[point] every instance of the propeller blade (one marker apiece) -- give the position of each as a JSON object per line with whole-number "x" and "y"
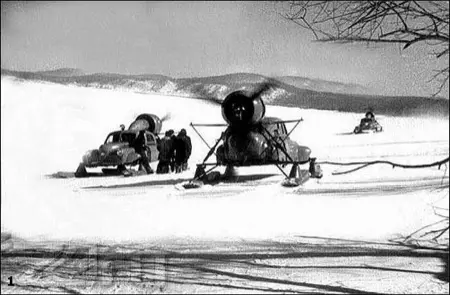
{"x": 215, "y": 100}
{"x": 264, "y": 87}
{"x": 166, "y": 117}
{"x": 259, "y": 89}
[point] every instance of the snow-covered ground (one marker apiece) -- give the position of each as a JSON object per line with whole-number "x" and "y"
{"x": 46, "y": 128}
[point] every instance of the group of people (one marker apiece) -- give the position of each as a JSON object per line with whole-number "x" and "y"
{"x": 174, "y": 152}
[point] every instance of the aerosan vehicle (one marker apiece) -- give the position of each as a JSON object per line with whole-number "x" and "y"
{"x": 117, "y": 150}
{"x": 251, "y": 139}
{"x": 368, "y": 125}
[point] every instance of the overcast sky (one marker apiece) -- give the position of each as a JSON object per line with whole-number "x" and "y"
{"x": 185, "y": 39}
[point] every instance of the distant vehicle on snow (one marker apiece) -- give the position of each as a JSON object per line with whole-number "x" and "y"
{"x": 368, "y": 125}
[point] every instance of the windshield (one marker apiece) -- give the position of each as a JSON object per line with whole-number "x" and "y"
{"x": 128, "y": 137}
{"x": 113, "y": 137}
{"x": 120, "y": 137}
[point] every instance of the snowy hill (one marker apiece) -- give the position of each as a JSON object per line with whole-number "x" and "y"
{"x": 290, "y": 91}
{"x": 56, "y": 124}
{"x": 325, "y": 86}
{"x": 62, "y": 122}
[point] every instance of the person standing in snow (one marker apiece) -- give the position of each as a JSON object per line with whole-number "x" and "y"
{"x": 183, "y": 149}
{"x": 172, "y": 159}
{"x": 140, "y": 147}
{"x": 166, "y": 150}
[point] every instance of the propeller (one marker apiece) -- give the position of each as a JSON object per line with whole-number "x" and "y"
{"x": 166, "y": 117}
{"x": 264, "y": 87}
{"x": 243, "y": 107}
{"x": 258, "y": 90}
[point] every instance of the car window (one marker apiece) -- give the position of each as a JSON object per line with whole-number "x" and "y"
{"x": 128, "y": 137}
{"x": 281, "y": 129}
{"x": 109, "y": 139}
{"x": 270, "y": 127}
{"x": 113, "y": 137}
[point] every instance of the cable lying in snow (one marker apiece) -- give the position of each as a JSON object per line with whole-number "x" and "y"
{"x": 366, "y": 164}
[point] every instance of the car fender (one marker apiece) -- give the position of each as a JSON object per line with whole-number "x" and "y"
{"x": 91, "y": 157}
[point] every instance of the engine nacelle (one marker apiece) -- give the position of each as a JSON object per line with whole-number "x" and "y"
{"x": 148, "y": 122}
{"x": 240, "y": 108}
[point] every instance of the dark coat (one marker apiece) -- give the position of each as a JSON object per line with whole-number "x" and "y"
{"x": 183, "y": 148}
{"x": 139, "y": 143}
{"x": 173, "y": 139}
{"x": 166, "y": 149}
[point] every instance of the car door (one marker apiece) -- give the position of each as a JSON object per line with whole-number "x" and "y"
{"x": 152, "y": 145}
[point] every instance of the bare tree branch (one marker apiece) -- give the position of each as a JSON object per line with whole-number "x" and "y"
{"x": 402, "y": 22}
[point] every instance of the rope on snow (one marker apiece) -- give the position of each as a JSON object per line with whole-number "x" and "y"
{"x": 366, "y": 164}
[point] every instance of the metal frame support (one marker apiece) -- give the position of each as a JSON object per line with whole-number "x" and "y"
{"x": 201, "y": 137}
{"x": 294, "y": 171}
{"x": 293, "y": 128}
{"x": 282, "y": 171}
{"x": 213, "y": 149}
{"x": 277, "y": 144}
{"x": 204, "y": 173}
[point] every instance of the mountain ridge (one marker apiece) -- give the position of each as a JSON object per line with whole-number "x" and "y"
{"x": 217, "y": 87}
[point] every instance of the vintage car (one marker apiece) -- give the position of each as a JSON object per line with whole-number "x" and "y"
{"x": 117, "y": 150}
{"x": 368, "y": 125}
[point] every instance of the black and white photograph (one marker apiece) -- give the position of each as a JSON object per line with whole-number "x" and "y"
{"x": 214, "y": 147}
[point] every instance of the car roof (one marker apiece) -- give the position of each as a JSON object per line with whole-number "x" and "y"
{"x": 125, "y": 131}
